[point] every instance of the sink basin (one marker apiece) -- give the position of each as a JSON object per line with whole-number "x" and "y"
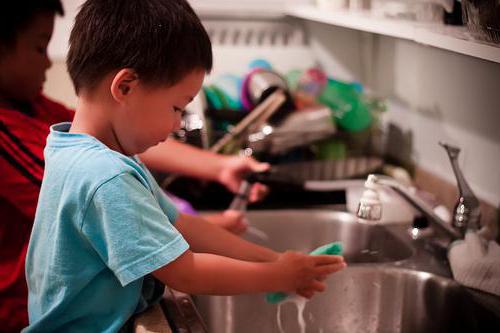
{"x": 304, "y": 230}
{"x": 361, "y": 298}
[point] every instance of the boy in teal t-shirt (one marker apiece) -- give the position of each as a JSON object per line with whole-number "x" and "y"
{"x": 102, "y": 223}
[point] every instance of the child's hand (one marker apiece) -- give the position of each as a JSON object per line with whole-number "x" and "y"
{"x": 234, "y": 170}
{"x": 231, "y": 220}
{"x": 304, "y": 274}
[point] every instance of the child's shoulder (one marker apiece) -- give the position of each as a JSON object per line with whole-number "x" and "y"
{"x": 102, "y": 164}
{"x": 87, "y": 163}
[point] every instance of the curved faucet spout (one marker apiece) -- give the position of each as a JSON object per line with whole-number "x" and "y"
{"x": 467, "y": 211}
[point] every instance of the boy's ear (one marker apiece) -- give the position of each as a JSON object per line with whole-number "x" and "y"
{"x": 124, "y": 82}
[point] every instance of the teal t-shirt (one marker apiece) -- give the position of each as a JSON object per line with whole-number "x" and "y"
{"x": 102, "y": 224}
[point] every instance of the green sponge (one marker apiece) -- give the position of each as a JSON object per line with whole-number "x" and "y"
{"x": 334, "y": 248}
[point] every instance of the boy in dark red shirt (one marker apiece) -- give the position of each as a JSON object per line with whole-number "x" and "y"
{"x": 25, "y": 116}
{"x": 22, "y": 139}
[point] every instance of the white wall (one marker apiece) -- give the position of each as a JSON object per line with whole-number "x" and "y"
{"x": 59, "y": 43}
{"x": 436, "y": 94}
{"x": 58, "y": 84}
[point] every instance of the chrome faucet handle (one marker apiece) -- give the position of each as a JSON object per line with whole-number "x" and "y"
{"x": 467, "y": 212}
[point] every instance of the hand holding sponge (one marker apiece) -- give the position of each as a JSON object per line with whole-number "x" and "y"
{"x": 334, "y": 248}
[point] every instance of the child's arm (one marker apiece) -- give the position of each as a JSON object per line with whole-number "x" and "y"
{"x": 202, "y": 273}
{"x": 208, "y": 238}
{"x": 204, "y": 164}
{"x": 196, "y": 162}
{"x": 212, "y": 272}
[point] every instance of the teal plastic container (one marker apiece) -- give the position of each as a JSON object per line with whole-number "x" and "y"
{"x": 334, "y": 248}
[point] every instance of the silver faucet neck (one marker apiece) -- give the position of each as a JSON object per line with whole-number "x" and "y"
{"x": 467, "y": 210}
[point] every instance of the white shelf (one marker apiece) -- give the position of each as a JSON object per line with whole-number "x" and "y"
{"x": 238, "y": 12}
{"x": 242, "y": 9}
{"x": 455, "y": 39}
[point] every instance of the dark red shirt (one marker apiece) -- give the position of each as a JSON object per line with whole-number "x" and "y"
{"x": 22, "y": 140}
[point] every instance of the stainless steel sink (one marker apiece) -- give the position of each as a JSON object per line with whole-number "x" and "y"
{"x": 392, "y": 284}
{"x": 304, "y": 230}
{"x": 362, "y": 298}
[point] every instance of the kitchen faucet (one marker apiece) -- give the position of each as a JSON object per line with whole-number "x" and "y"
{"x": 466, "y": 215}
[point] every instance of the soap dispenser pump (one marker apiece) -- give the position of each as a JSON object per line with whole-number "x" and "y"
{"x": 370, "y": 206}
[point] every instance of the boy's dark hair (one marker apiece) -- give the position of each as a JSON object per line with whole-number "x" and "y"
{"x": 162, "y": 40}
{"x": 17, "y": 15}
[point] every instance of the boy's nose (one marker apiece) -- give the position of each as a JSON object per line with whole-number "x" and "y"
{"x": 48, "y": 62}
{"x": 177, "y": 126}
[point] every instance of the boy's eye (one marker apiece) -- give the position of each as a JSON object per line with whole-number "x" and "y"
{"x": 176, "y": 109}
